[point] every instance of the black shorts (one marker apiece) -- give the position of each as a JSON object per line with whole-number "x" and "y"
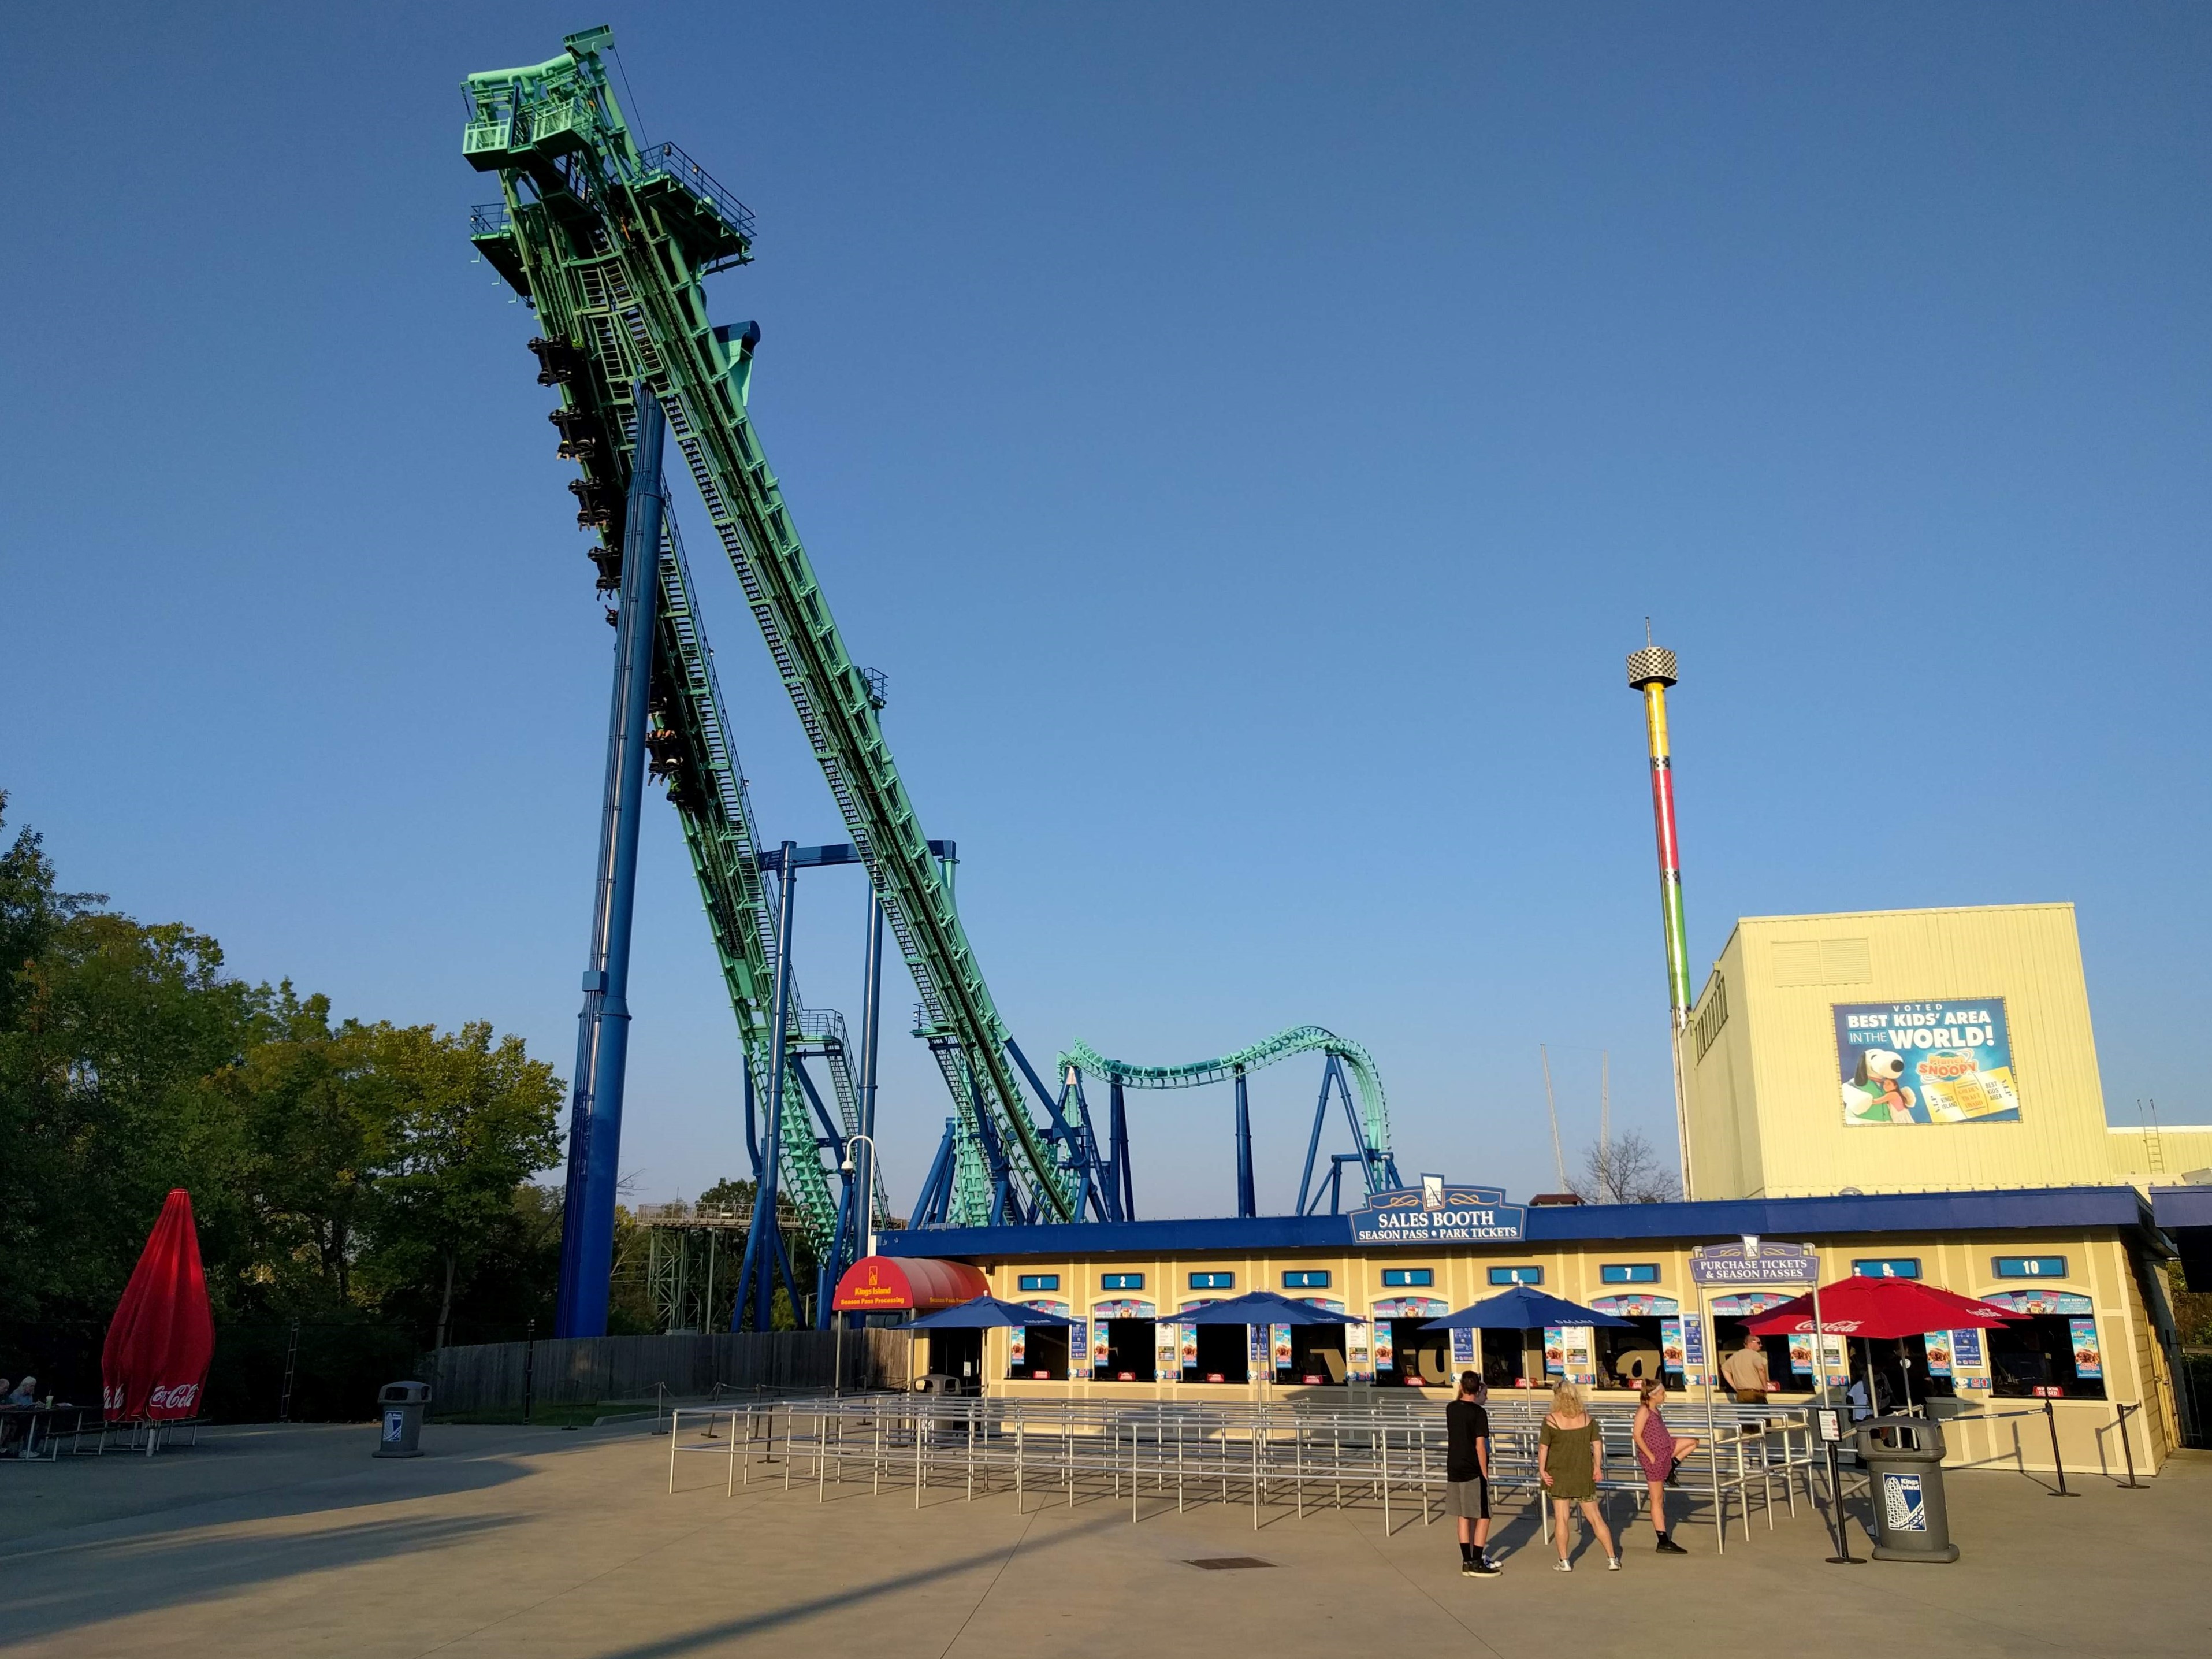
{"x": 1468, "y": 1499}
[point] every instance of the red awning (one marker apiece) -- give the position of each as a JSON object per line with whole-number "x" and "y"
{"x": 1880, "y": 1307}
{"x": 154, "y": 1362}
{"x": 889, "y": 1283}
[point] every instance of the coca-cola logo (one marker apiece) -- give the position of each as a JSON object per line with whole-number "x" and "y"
{"x": 179, "y": 1398}
{"x": 111, "y": 1396}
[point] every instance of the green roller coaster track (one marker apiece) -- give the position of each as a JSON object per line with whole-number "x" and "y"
{"x": 611, "y": 244}
{"x": 1374, "y": 1109}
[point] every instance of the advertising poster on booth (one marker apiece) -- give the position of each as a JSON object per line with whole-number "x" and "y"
{"x": 1939, "y": 1353}
{"x": 2088, "y": 1361}
{"x": 1555, "y": 1350}
{"x": 1801, "y": 1356}
{"x": 1967, "y": 1349}
{"x": 1943, "y": 1062}
{"x": 1279, "y": 1337}
{"x": 1359, "y": 1363}
{"x": 1464, "y": 1347}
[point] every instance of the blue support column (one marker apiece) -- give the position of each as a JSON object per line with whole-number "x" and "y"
{"x": 764, "y": 1241}
{"x": 871, "y": 1021}
{"x": 1248, "y": 1202}
{"x": 1117, "y": 1135}
{"x": 1313, "y": 1140}
{"x": 603, "y": 1045}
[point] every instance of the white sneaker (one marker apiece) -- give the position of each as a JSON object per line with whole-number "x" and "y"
{"x": 1613, "y": 1564}
{"x": 1563, "y": 1566}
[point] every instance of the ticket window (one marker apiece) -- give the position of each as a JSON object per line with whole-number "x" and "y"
{"x": 2031, "y": 1357}
{"x": 1420, "y": 1355}
{"x": 1045, "y": 1352}
{"x": 1730, "y": 1334}
{"x": 1920, "y": 1384}
{"x": 1224, "y": 1351}
{"x": 1127, "y": 1346}
{"x": 958, "y": 1354}
{"x": 1505, "y": 1358}
{"x": 1317, "y": 1354}
{"x": 1627, "y": 1357}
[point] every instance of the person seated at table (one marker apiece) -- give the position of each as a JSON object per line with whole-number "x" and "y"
{"x": 10, "y": 1431}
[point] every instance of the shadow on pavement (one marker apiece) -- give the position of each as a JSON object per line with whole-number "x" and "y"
{"x": 118, "y": 1578}
{"x": 770, "y": 1619}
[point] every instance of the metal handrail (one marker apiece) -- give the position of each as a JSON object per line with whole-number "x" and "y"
{"x": 669, "y": 159}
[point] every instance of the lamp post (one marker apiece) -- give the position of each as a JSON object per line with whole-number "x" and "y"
{"x": 867, "y": 1186}
{"x": 868, "y": 1203}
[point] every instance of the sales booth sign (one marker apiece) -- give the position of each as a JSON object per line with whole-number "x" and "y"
{"x": 1439, "y": 1212}
{"x": 1755, "y": 1261}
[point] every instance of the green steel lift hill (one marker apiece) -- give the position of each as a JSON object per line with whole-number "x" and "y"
{"x": 610, "y": 244}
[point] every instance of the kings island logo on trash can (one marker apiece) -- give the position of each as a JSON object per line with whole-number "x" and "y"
{"x": 1926, "y": 1063}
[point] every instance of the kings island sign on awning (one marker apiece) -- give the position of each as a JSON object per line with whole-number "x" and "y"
{"x": 1438, "y": 1212}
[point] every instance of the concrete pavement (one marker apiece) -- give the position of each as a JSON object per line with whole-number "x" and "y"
{"x": 512, "y": 1541}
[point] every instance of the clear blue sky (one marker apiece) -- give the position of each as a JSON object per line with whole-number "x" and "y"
{"x": 1250, "y": 438}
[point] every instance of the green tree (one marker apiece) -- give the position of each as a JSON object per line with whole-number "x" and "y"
{"x": 468, "y": 1121}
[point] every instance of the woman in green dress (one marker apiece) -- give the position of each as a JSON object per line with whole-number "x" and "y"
{"x": 1571, "y": 1461}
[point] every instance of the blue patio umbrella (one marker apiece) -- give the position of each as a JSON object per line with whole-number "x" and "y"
{"x": 1260, "y": 1307}
{"x": 1523, "y": 1309}
{"x": 985, "y": 1313}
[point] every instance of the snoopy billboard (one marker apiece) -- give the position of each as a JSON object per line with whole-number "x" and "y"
{"x": 1933, "y": 1062}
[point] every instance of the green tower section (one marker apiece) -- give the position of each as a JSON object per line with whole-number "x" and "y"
{"x": 610, "y": 243}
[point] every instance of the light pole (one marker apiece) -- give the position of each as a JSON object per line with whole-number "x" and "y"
{"x": 867, "y": 1186}
{"x": 868, "y": 1204}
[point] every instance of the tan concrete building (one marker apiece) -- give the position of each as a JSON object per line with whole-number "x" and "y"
{"x": 1907, "y": 1050}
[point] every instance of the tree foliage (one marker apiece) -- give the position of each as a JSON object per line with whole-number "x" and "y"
{"x": 1625, "y": 1168}
{"x": 338, "y": 1170}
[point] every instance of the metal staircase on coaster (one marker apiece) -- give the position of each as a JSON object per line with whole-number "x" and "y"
{"x": 609, "y": 244}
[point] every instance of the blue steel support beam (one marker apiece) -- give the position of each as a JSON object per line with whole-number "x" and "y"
{"x": 1247, "y": 1201}
{"x": 1117, "y": 1133}
{"x": 1313, "y": 1142}
{"x": 581, "y": 1310}
{"x": 871, "y": 1020}
{"x": 934, "y": 1202}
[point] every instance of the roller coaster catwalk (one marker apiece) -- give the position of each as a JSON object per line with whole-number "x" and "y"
{"x": 609, "y": 242}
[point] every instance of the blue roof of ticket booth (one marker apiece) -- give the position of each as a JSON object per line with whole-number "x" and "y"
{"x": 1812, "y": 1217}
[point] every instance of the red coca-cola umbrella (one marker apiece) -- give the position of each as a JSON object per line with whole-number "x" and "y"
{"x": 1876, "y": 1309}
{"x": 1880, "y": 1307}
{"x": 154, "y": 1365}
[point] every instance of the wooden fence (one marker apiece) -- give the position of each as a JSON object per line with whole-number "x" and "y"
{"x": 489, "y": 1376}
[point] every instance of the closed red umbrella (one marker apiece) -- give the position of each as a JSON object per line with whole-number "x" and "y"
{"x": 154, "y": 1362}
{"x": 1880, "y": 1307}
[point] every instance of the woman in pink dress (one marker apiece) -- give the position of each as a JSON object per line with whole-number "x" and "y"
{"x": 1657, "y": 1452}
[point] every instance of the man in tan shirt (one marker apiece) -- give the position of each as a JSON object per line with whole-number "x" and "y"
{"x": 1745, "y": 1371}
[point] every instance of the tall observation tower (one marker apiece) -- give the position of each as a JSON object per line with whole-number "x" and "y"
{"x": 1651, "y": 671}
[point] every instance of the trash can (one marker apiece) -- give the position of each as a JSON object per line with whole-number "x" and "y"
{"x": 400, "y": 1406}
{"x": 1903, "y": 1458}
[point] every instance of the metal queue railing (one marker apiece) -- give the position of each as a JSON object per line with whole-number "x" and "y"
{"x": 1269, "y": 1454}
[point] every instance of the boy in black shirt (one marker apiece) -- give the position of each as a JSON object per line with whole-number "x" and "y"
{"x": 1467, "y": 1475}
